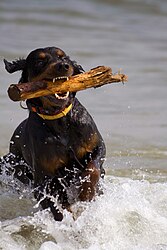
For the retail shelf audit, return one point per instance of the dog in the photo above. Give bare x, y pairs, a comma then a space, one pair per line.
58, 148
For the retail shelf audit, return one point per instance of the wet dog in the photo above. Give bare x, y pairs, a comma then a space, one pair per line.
58, 147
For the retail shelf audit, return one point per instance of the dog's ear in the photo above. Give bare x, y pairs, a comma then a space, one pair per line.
77, 68
14, 66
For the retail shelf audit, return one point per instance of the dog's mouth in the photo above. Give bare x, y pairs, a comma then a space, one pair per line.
60, 96
56, 100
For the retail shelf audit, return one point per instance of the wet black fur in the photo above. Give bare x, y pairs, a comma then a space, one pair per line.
72, 142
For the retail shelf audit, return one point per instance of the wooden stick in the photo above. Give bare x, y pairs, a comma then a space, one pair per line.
96, 77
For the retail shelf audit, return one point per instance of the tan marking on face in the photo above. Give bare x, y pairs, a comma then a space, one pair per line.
50, 73
42, 55
60, 52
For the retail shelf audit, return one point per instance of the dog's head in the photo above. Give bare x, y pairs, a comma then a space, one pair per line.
46, 64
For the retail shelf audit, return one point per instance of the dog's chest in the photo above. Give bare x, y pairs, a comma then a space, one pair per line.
75, 141
65, 149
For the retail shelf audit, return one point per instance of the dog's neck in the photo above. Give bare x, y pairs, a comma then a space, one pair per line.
48, 113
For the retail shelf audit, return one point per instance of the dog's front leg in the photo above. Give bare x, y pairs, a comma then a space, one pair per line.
47, 194
48, 203
89, 180
92, 173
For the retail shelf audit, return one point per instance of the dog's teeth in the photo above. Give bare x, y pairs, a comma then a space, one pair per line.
62, 97
60, 77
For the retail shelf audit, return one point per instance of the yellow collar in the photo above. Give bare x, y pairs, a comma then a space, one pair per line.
57, 116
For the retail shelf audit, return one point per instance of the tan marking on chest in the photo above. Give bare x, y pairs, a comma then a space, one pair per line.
87, 146
50, 166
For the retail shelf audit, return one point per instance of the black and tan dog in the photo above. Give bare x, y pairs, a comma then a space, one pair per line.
58, 147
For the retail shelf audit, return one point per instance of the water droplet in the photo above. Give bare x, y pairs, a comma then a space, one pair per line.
20, 173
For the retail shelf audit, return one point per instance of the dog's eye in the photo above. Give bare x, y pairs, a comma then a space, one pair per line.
60, 56
40, 62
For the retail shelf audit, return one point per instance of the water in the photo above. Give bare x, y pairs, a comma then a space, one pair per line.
130, 215
127, 34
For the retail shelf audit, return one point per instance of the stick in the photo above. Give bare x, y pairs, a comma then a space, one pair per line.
96, 77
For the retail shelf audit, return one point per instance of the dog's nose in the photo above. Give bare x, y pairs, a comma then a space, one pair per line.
61, 67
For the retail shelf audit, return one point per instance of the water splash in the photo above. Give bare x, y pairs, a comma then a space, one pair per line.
131, 214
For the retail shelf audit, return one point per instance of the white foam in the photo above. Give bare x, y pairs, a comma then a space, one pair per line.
131, 214
49, 245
